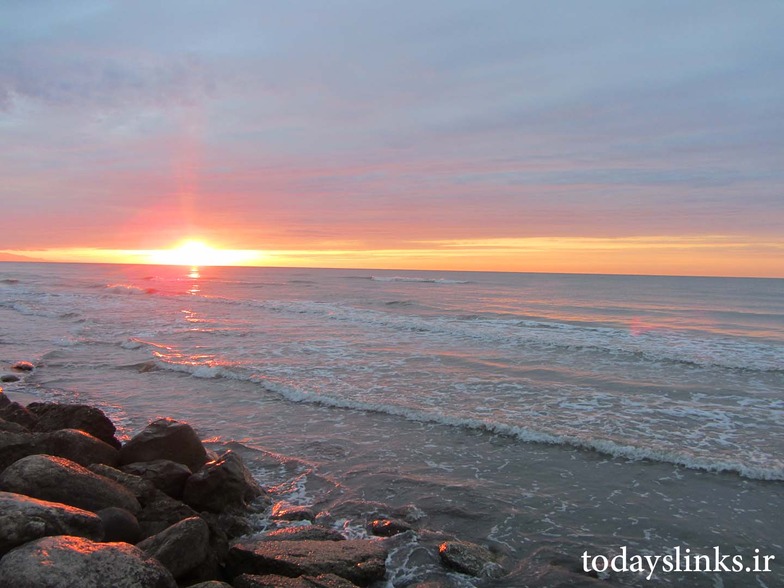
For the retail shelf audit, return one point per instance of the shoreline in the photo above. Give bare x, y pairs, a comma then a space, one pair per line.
232, 546
524, 567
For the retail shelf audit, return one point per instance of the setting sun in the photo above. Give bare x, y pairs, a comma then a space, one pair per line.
194, 252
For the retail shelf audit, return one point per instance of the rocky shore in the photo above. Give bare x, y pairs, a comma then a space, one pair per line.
80, 508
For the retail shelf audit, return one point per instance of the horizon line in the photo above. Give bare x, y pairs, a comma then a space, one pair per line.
402, 269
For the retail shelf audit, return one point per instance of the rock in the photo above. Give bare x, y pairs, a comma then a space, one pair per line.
77, 446
23, 366
211, 568
24, 519
222, 484
61, 480
166, 475
284, 511
53, 416
211, 584
308, 532
15, 412
227, 524
119, 525
360, 561
389, 527
12, 427
181, 547
165, 439
71, 444
14, 445
9, 378
142, 489
65, 562
274, 581
469, 558
161, 512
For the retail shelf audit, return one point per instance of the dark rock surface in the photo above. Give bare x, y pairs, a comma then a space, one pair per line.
15, 412
166, 475
469, 558
389, 527
308, 532
161, 512
142, 489
9, 378
66, 562
284, 511
77, 446
274, 581
54, 416
221, 485
14, 445
228, 524
24, 519
181, 547
60, 480
360, 561
119, 525
71, 444
12, 427
165, 439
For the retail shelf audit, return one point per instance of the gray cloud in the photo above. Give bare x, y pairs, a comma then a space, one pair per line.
500, 115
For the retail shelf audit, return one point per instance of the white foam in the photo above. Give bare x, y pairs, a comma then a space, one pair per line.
606, 446
660, 346
128, 289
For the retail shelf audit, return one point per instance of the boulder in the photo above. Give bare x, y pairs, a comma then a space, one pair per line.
142, 489
24, 519
161, 512
274, 581
307, 532
284, 511
65, 562
9, 378
71, 444
181, 547
23, 366
15, 412
77, 446
359, 561
60, 480
469, 558
14, 445
221, 485
227, 524
166, 475
53, 416
119, 525
389, 527
165, 439
12, 427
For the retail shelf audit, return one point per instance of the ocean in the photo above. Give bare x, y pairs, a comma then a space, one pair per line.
537, 414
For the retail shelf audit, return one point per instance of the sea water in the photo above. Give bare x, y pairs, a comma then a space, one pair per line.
537, 414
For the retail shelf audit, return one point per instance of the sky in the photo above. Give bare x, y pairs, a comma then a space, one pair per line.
601, 137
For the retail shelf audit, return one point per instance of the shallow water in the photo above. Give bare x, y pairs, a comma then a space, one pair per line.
526, 412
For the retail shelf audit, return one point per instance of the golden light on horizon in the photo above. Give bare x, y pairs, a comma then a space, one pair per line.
197, 253
702, 255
